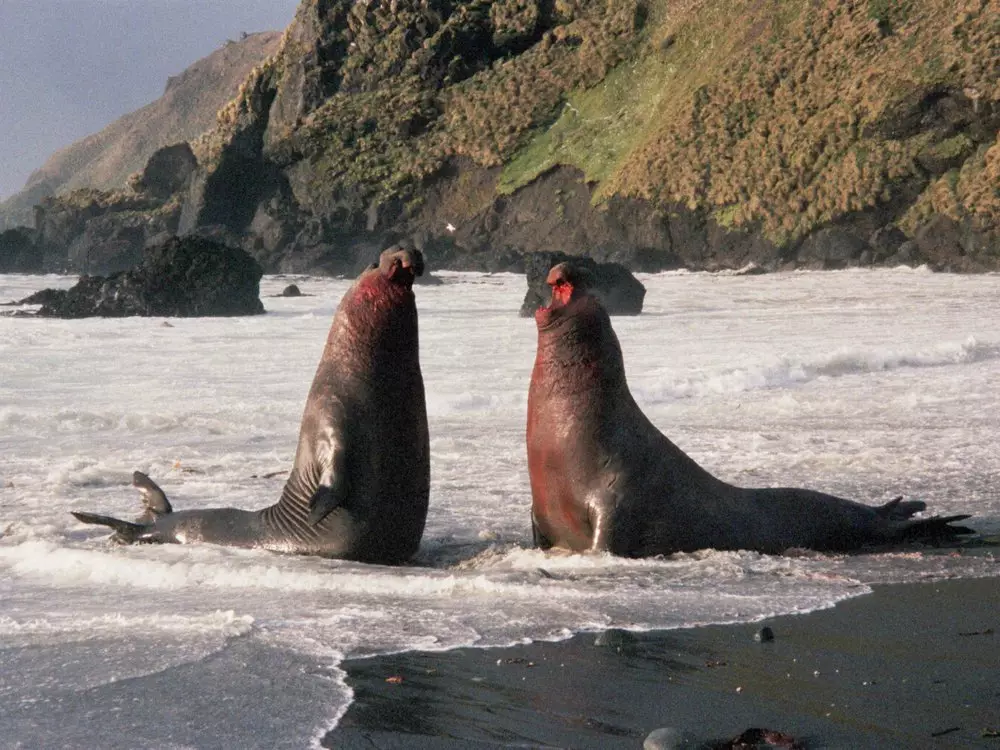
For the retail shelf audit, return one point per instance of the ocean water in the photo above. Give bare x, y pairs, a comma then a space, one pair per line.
866, 384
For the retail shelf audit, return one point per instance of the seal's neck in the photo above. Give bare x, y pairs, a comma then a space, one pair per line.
577, 348
375, 324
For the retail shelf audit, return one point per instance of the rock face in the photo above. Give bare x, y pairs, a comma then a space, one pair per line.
188, 277
168, 171
620, 292
617, 129
94, 232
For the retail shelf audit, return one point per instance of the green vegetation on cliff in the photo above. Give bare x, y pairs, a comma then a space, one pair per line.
779, 115
788, 115
377, 119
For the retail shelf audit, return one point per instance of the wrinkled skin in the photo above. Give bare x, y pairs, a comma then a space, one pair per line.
360, 483
605, 479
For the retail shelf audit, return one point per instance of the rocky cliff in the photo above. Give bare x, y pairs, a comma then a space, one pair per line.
698, 133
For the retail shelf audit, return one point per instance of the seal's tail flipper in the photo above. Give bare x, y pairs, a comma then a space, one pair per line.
143, 530
936, 529
125, 531
153, 497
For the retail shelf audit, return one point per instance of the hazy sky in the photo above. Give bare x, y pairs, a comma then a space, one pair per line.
70, 67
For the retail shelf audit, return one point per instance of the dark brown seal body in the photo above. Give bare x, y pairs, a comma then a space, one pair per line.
605, 479
360, 483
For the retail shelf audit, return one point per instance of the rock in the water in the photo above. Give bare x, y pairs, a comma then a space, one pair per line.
620, 292
292, 290
183, 277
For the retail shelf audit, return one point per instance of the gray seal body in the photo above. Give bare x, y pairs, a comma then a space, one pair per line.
605, 479
360, 482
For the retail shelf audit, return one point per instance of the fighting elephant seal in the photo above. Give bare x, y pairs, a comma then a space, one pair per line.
605, 479
359, 486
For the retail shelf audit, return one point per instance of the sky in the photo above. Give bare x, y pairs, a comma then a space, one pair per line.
70, 67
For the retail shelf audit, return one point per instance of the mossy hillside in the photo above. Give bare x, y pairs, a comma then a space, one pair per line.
971, 192
601, 125
596, 127
424, 83
788, 119
808, 122
779, 116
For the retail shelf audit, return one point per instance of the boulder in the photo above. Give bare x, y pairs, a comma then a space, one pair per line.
939, 240
620, 292
885, 242
182, 277
908, 254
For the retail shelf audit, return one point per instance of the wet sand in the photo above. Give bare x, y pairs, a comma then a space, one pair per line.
908, 666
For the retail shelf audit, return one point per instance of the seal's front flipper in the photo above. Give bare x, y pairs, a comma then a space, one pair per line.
538, 539
332, 490
327, 498
125, 531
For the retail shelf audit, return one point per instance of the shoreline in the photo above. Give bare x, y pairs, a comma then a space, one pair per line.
906, 666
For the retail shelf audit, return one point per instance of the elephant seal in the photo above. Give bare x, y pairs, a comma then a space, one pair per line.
360, 483
605, 479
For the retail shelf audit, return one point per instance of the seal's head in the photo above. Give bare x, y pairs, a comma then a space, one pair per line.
570, 285
400, 265
389, 282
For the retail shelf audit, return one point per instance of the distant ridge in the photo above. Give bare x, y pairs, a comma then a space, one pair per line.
188, 108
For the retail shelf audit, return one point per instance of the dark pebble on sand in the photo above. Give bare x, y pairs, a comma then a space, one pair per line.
764, 635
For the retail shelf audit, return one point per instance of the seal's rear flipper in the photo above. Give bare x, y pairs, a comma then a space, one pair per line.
125, 531
153, 497
936, 529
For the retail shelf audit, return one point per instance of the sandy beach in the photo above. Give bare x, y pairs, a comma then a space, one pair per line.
907, 666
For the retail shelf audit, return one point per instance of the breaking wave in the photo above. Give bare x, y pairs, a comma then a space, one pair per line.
790, 370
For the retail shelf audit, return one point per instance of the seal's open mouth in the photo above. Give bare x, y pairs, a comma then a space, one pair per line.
405, 268
562, 293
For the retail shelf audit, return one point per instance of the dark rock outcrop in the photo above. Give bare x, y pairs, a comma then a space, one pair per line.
168, 170
830, 249
93, 232
885, 242
18, 252
616, 287
188, 277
